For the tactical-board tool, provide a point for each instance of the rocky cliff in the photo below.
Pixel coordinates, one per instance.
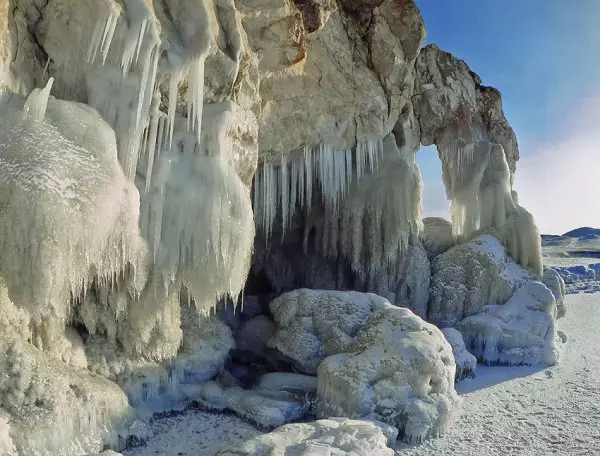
(178, 144)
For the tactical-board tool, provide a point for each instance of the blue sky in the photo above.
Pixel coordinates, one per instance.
(544, 56)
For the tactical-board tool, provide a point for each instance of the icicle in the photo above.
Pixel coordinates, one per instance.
(196, 94)
(284, 190)
(103, 32)
(37, 102)
(173, 89)
(154, 138)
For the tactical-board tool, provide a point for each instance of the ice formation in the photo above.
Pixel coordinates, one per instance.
(400, 370)
(81, 225)
(333, 436)
(436, 236)
(281, 188)
(466, 363)
(266, 408)
(469, 276)
(522, 331)
(370, 225)
(7, 447)
(372, 359)
(556, 285)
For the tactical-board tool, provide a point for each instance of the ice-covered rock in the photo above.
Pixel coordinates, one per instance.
(206, 344)
(522, 331)
(287, 381)
(334, 436)
(437, 236)
(7, 447)
(466, 363)
(106, 453)
(314, 324)
(399, 370)
(373, 359)
(265, 407)
(556, 285)
(57, 410)
(254, 334)
(470, 276)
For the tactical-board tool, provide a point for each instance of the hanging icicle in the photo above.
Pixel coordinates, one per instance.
(280, 189)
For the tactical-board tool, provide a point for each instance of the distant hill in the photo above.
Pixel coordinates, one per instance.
(585, 231)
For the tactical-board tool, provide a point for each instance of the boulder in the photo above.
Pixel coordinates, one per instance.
(466, 363)
(470, 276)
(373, 359)
(335, 436)
(555, 283)
(522, 331)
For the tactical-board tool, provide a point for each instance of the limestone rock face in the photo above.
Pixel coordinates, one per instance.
(522, 331)
(357, 76)
(470, 276)
(451, 103)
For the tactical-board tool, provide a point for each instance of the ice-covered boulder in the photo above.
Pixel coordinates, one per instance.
(522, 331)
(470, 276)
(556, 285)
(374, 359)
(466, 363)
(334, 436)
(314, 324)
(254, 334)
(399, 370)
(206, 344)
(436, 236)
(266, 408)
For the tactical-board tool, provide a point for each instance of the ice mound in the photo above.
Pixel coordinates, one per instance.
(334, 436)
(266, 408)
(522, 331)
(470, 276)
(374, 360)
(57, 410)
(466, 363)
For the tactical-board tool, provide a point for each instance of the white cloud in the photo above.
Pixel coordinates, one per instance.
(559, 181)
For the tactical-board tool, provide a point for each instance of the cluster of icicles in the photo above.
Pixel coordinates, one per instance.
(147, 127)
(290, 183)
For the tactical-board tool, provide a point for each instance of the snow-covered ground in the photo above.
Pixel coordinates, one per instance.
(525, 411)
(194, 433)
(532, 412)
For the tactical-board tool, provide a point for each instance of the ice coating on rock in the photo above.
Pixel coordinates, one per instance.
(522, 331)
(333, 436)
(81, 225)
(466, 363)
